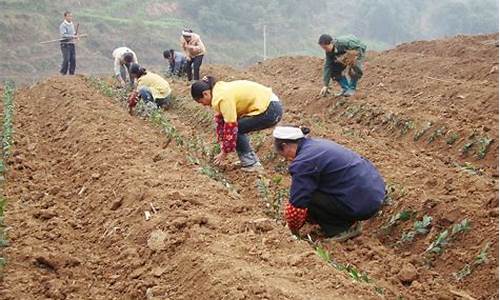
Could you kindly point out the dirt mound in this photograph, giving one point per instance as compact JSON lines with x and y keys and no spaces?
{"x":105,"y":205}
{"x":83,"y":176}
{"x":430,"y":124}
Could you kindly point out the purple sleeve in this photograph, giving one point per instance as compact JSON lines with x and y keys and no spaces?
{"x":304,"y":183}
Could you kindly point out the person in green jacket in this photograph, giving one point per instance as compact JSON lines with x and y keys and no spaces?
{"x":335,"y":68}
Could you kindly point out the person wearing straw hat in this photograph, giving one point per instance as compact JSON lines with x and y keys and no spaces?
{"x":194,"y":50}
{"x":332,"y":186}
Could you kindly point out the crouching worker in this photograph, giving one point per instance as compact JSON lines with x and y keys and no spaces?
{"x":177,"y":62}
{"x":343,"y":55}
{"x":240,"y":107}
{"x":123,"y":59}
{"x":332,"y":186}
{"x":151,"y":88}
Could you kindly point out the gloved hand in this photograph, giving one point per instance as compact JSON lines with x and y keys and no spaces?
{"x":133,"y":98}
{"x":324,"y":91}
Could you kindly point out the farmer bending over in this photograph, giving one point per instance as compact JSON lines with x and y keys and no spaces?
{"x":240,"y":107}
{"x":332,"y":186}
{"x":344,"y":54}
{"x":151,"y":88}
{"x":177,"y":62}
{"x":123,"y":58}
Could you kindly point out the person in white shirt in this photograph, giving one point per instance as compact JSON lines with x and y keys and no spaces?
{"x":123,"y":58}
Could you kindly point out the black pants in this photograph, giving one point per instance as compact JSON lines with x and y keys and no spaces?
{"x":69,"y":58}
{"x":331,"y":215}
{"x":193,"y":66}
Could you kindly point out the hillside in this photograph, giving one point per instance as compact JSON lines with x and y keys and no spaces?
{"x":232,"y":30}
{"x":83,"y":174}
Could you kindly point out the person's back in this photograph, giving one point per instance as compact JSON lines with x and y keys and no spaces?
{"x":158,"y":85}
{"x":341,"y":173}
{"x":248,"y":97}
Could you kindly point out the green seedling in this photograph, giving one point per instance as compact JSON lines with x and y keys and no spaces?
{"x":452,"y":138}
{"x":407,"y":126}
{"x":393,"y":193}
{"x":401,"y":216}
{"x":468,"y":268}
{"x":323,"y":253}
{"x":422,"y":131}
{"x":484,"y":145}
{"x":419,"y":227}
{"x":466,"y":147}
{"x":379,"y":290}
{"x":436,"y":134}
{"x":277,"y":179}
{"x":446,"y":236}
{"x":470,"y":168}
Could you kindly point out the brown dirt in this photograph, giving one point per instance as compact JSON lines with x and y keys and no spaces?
{"x":84,"y":172}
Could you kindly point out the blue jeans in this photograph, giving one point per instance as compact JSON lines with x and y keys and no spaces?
{"x":265,"y":120}
{"x":146,"y":96}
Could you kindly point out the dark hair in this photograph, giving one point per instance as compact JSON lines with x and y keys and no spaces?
{"x":325,"y":39}
{"x":66,"y":13}
{"x":197,"y":88}
{"x":128,"y":57}
{"x":278,"y":143}
{"x":168,"y":53}
{"x":137,"y":70}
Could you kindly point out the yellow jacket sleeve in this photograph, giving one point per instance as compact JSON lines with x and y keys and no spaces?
{"x":227,"y":108}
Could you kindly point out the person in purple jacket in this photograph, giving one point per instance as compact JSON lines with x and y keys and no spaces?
{"x":332,"y":186}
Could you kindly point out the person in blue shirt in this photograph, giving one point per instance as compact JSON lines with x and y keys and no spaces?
{"x":332,"y":186}
{"x":177,"y":62}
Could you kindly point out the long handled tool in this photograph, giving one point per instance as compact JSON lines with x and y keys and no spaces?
{"x":58,"y":40}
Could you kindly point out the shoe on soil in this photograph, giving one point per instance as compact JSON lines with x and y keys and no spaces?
{"x":257,"y":167}
{"x":355,"y":230}
{"x":341,"y":93}
{"x":349,"y":93}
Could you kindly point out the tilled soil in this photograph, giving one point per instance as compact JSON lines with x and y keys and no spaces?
{"x":85,"y":176}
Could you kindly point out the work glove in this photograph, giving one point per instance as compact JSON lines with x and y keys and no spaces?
{"x":324,"y":91}
{"x":133,"y":98}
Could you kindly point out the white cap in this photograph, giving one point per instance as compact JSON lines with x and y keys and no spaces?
{"x":186,"y":33}
{"x":288,"y":133}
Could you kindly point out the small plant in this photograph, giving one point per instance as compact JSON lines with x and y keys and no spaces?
{"x":351,"y":270}
{"x":484,"y":145}
{"x":452,"y":138}
{"x":470,"y":168}
{"x":401,"y":216}
{"x":445,"y":237}
{"x":419,"y":227}
{"x":407,"y":126}
{"x":436,"y":134}
{"x":468,"y":268}
{"x":466,"y":147}
{"x":393,"y":192}
{"x":422,"y":131}
{"x":8,"y":115}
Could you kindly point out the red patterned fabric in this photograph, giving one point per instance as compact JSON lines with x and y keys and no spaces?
{"x":295,"y":217}
{"x":132,"y":100}
{"x":219,"y":129}
{"x":229,"y":137}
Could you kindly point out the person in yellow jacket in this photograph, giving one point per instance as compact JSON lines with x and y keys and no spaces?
{"x":240,"y":107}
{"x":151,"y":88}
{"x":194,"y":49}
